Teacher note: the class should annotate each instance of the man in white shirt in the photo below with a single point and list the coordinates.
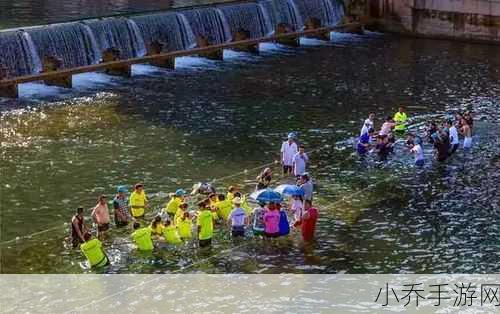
(368, 124)
(454, 141)
(288, 151)
(300, 161)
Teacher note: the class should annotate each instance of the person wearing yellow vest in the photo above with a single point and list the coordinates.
(230, 192)
(138, 201)
(180, 212)
(142, 237)
(400, 118)
(173, 205)
(157, 226)
(205, 224)
(170, 233)
(185, 227)
(224, 207)
(92, 249)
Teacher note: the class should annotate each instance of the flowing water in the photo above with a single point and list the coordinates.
(205, 120)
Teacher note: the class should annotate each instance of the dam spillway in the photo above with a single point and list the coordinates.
(25, 52)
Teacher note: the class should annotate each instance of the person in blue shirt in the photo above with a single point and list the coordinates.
(364, 142)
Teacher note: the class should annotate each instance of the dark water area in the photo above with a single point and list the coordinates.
(22, 13)
(207, 120)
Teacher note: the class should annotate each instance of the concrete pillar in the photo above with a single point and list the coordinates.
(7, 91)
(113, 54)
(315, 23)
(283, 28)
(202, 42)
(243, 34)
(54, 64)
(157, 47)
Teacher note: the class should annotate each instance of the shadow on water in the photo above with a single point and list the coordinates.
(208, 120)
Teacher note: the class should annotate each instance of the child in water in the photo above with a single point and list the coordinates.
(185, 227)
(272, 221)
(297, 207)
(170, 233)
(157, 226)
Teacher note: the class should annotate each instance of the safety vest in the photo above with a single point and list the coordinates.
(173, 205)
(185, 227)
(171, 236)
(225, 207)
(92, 250)
(137, 203)
(142, 238)
(400, 119)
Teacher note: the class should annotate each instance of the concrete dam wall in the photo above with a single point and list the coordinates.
(474, 20)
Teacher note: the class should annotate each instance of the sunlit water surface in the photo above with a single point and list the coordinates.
(207, 120)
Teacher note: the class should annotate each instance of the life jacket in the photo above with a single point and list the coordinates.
(284, 224)
(225, 207)
(185, 227)
(171, 236)
(92, 250)
(142, 238)
(400, 119)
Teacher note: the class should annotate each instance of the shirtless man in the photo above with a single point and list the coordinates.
(466, 131)
(100, 215)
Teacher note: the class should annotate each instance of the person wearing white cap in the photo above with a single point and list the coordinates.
(238, 219)
(288, 150)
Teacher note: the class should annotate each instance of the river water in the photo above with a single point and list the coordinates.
(206, 120)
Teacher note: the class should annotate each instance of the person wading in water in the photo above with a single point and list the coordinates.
(78, 228)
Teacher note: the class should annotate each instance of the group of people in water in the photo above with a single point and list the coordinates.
(176, 223)
(445, 137)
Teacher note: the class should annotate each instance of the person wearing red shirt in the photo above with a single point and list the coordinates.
(309, 219)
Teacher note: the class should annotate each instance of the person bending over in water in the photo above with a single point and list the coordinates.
(93, 251)
(157, 226)
(382, 148)
(264, 179)
(364, 142)
(142, 237)
(387, 127)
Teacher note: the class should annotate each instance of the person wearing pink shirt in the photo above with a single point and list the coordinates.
(272, 221)
(100, 215)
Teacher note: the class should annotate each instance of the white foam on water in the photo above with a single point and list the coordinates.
(237, 55)
(36, 90)
(194, 62)
(149, 70)
(272, 47)
(92, 79)
(313, 42)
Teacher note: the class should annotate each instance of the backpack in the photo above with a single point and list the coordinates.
(284, 225)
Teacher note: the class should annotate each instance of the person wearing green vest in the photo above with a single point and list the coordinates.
(400, 118)
(205, 224)
(174, 204)
(142, 237)
(92, 249)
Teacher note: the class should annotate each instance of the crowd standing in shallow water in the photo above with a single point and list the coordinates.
(444, 138)
(176, 223)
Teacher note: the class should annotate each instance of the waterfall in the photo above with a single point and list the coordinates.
(81, 43)
(36, 64)
(295, 15)
(13, 54)
(246, 16)
(210, 23)
(167, 28)
(140, 47)
(268, 24)
(69, 42)
(118, 33)
(189, 38)
(96, 53)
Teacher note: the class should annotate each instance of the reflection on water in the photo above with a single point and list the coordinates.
(21, 13)
(212, 119)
